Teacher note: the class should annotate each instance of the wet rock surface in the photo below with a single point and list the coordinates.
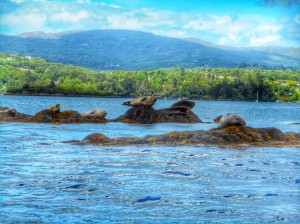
(231, 136)
(179, 112)
(148, 115)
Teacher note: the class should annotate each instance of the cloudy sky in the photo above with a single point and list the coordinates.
(226, 22)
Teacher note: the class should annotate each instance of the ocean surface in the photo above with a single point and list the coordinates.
(43, 180)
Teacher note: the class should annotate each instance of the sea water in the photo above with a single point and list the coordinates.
(43, 180)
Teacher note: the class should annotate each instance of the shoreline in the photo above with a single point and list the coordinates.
(126, 97)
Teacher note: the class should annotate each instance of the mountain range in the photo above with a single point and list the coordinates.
(128, 50)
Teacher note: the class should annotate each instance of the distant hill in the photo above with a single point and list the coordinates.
(293, 52)
(126, 49)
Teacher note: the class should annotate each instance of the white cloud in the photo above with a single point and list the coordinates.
(69, 17)
(115, 6)
(25, 22)
(258, 41)
(53, 16)
(241, 31)
(171, 33)
(17, 1)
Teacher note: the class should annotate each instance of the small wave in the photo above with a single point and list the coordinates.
(149, 198)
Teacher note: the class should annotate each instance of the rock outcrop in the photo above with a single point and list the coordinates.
(231, 136)
(11, 115)
(50, 115)
(140, 114)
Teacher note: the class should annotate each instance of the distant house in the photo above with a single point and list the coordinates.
(283, 84)
(10, 58)
(23, 69)
(28, 57)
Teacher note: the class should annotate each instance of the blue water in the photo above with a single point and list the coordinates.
(43, 180)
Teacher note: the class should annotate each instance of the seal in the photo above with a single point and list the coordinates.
(147, 101)
(231, 119)
(55, 108)
(217, 119)
(9, 111)
(94, 113)
(177, 110)
(184, 103)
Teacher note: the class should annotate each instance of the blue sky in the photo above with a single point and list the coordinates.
(228, 22)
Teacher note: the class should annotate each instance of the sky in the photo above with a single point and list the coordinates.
(239, 23)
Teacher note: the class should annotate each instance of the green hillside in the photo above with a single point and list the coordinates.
(26, 75)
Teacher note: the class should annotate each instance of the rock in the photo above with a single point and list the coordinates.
(55, 108)
(175, 110)
(141, 115)
(148, 115)
(44, 116)
(147, 101)
(230, 119)
(94, 113)
(95, 138)
(68, 116)
(230, 136)
(184, 103)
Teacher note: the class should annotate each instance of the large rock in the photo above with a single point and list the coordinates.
(148, 115)
(231, 136)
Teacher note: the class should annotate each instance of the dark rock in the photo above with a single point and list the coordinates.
(148, 115)
(44, 116)
(95, 138)
(141, 115)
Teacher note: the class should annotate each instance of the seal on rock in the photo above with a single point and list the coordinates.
(9, 111)
(231, 119)
(147, 101)
(184, 103)
(55, 108)
(94, 113)
(217, 119)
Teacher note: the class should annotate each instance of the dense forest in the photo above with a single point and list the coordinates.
(27, 75)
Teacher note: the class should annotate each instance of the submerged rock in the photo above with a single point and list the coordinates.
(231, 136)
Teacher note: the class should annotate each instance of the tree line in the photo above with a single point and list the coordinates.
(26, 75)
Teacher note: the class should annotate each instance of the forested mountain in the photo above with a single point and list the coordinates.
(26, 75)
(125, 50)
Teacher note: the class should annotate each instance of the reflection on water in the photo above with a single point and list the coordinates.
(44, 180)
